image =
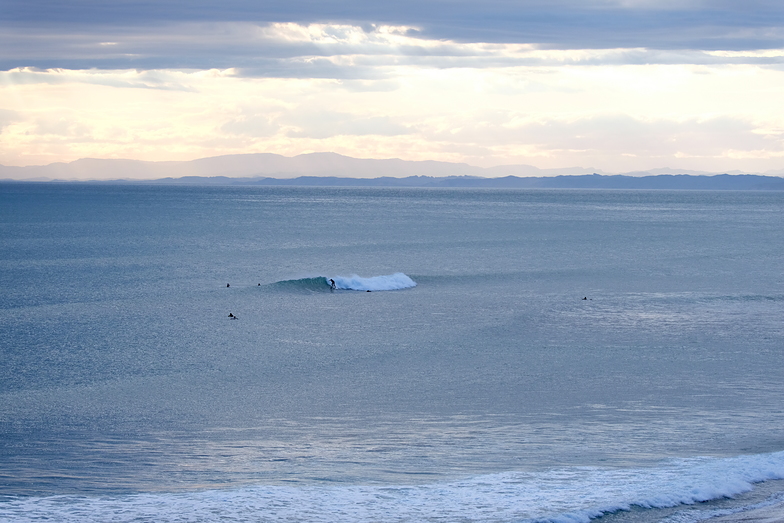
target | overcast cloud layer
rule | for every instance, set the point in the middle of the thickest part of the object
(573, 24)
(621, 85)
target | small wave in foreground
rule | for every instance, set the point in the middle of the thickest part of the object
(568, 495)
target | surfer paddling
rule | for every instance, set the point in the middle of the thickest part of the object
(232, 317)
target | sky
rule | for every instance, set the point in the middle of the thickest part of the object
(617, 85)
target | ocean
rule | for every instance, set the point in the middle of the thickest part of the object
(179, 354)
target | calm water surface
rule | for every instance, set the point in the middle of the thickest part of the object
(490, 391)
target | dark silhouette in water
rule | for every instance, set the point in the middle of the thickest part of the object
(332, 283)
(227, 285)
(231, 316)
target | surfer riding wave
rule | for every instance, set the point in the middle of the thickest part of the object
(390, 282)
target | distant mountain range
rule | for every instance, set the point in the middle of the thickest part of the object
(330, 169)
(268, 165)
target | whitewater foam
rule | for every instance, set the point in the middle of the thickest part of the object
(569, 495)
(771, 507)
(391, 282)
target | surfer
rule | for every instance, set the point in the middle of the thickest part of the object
(227, 285)
(332, 284)
(231, 316)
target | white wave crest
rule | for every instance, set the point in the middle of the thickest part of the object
(569, 495)
(391, 282)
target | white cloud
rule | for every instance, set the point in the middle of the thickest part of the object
(7, 116)
(256, 126)
(313, 122)
(134, 79)
(381, 92)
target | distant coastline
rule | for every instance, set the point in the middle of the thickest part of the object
(729, 182)
(334, 170)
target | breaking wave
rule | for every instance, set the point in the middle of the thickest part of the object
(568, 495)
(317, 284)
(390, 282)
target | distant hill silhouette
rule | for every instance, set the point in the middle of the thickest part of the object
(330, 169)
(589, 181)
(268, 165)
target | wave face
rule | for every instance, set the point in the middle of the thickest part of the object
(392, 282)
(569, 495)
(317, 284)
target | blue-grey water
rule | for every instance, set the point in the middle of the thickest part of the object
(564, 354)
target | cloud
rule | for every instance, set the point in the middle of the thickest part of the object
(8, 116)
(554, 22)
(284, 38)
(288, 50)
(254, 126)
(623, 134)
(325, 124)
(623, 143)
(375, 90)
(112, 78)
(61, 128)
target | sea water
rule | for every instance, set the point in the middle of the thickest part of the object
(483, 356)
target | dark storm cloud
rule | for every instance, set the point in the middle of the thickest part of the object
(180, 34)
